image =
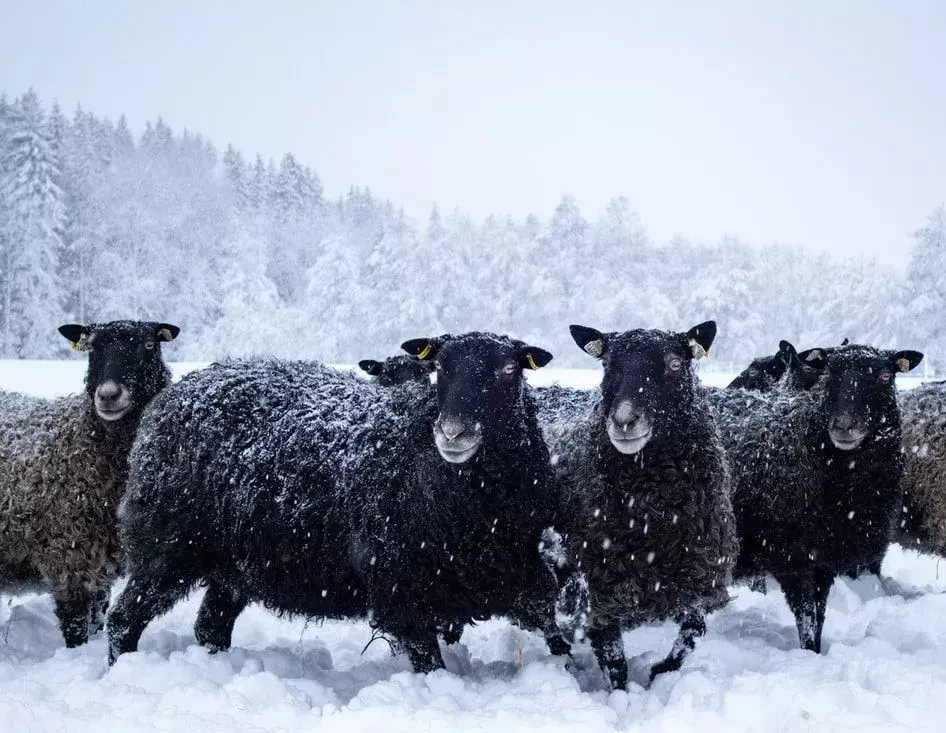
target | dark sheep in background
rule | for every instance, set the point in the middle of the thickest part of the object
(397, 370)
(816, 477)
(789, 368)
(732, 406)
(318, 493)
(644, 488)
(922, 524)
(763, 372)
(63, 464)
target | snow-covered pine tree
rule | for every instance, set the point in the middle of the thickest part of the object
(33, 220)
(925, 288)
(236, 180)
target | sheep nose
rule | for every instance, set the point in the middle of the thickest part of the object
(625, 414)
(844, 422)
(108, 391)
(452, 428)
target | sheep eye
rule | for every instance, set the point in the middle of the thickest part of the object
(510, 368)
(149, 345)
(885, 376)
(675, 364)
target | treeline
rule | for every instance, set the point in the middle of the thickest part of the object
(250, 256)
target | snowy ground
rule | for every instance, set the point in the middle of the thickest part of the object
(884, 669)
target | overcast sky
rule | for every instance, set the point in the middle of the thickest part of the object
(818, 123)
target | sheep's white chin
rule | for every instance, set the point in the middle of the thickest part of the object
(112, 415)
(627, 444)
(455, 454)
(846, 444)
(630, 447)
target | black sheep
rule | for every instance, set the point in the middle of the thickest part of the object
(788, 368)
(815, 477)
(318, 493)
(397, 370)
(763, 372)
(645, 488)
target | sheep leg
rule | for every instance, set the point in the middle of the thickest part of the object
(758, 584)
(218, 613)
(100, 599)
(609, 650)
(558, 647)
(692, 627)
(142, 600)
(452, 634)
(807, 596)
(424, 652)
(73, 606)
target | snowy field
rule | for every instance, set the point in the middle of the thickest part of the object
(884, 669)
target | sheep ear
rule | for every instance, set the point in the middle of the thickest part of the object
(422, 348)
(814, 358)
(846, 341)
(700, 338)
(371, 366)
(166, 332)
(786, 351)
(904, 361)
(589, 340)
(77, 335)
(532, 357)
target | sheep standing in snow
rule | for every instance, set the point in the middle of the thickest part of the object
(63, 464)
(922, 524)
(404, 369)
(397, 370)
(644, 484)
(318, 493)
(815, 477)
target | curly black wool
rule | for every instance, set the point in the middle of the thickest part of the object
(318, 493)
(653, 531)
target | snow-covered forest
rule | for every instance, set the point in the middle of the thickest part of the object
(253, 256)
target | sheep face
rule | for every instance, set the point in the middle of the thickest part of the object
(479, 387)
(761, 374)
(125, 366)
(648, 379)
(803, 369)
(397, 370)
(807, 367)
(860, 397)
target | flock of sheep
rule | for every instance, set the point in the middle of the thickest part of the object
(423, 507)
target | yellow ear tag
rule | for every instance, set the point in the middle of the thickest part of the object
(532, 364)
(595, 348)
(424, 354)
(74, 345)
(698, 351)
(903, 365)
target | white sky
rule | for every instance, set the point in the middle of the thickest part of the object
(819, 123)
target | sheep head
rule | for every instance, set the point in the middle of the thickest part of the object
(648, 379)
(479, 388)
(125, 365)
